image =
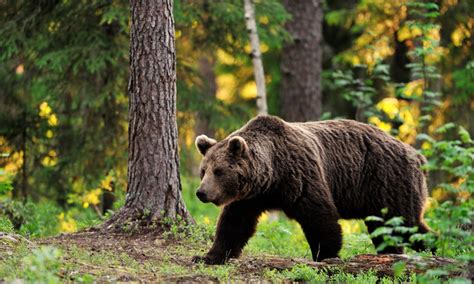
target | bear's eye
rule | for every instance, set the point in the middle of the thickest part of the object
(203, 172)
(218, 172)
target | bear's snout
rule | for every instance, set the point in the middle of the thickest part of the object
(202, 196)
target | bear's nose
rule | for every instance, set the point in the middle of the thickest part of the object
(201, 195)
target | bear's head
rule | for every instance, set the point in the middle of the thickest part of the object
(223, 169)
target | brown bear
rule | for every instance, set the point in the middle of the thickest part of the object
(316, 173)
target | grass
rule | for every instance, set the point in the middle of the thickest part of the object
(87, 259)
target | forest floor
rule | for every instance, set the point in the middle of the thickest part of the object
(94, 257)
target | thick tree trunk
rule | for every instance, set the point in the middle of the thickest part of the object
(154, 187)
(256, 57)
(301, 62)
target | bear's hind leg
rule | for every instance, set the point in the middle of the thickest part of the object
(420, 245)
(324, 238)
(320, 226)
(377, 241)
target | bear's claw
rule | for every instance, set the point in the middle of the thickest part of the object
(207, 260)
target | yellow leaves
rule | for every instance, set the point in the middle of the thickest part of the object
(371, 48)
(435, 56)
(263, 217)
(53, 26)
(426, 145)
(66, 223)
(15, 162)
(206, 220)
(263, 20)
(407, 32)
(45, 110)
(389, 106)
(178, 34)
(92, 198)
(247, 48)
(355, 60)
(106, 183)
(49, 161)
(385, 126)
(404, 33)
(460, 33)
(46, 113)
(430, 40)
(225, 58)
(226, 84)
(414, 88)
(416, 31)
(263, 48)
(53, 120)
(394, 108)
(456, 188)
(249, 90)
(439, 194)
(49, 134)
(52, 153)
(350, 226)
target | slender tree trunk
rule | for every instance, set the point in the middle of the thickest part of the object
(301, 62)
(206, 65)
(24, 168)
(256, 57)
(203, 117)
(154, 186)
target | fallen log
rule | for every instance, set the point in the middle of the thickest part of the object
(383, 265)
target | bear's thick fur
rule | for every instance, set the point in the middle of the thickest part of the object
(315, 172)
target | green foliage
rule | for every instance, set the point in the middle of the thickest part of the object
(282, 237)
(32, 219)
(5, 183)
(391, 231)
(464, 82)
(42, 265)
(454, 157)
(6, 225)
(305, 273)
(453, 223)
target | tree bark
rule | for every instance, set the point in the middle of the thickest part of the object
(301, 62)
(154, 186)
(203, 116)
(256, 57)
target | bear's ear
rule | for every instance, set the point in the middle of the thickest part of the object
(238, 146)
(203, 143)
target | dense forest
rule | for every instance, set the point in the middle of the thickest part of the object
(76, 77)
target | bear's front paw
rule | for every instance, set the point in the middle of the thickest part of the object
(208, 260)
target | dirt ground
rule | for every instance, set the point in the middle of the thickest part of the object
(150, 257)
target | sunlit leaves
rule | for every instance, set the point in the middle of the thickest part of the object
(66, 223)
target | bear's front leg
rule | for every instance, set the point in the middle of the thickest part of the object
(237, 223)
(318, 220)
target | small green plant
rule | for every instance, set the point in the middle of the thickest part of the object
(5, 182)
(392, 231)
(305, 273)
(42, 265)
(452, 218)
(6, 225)
(361, 91)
